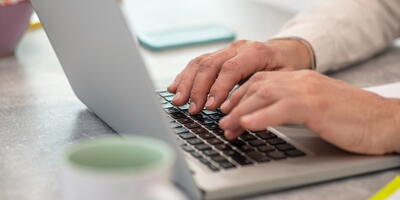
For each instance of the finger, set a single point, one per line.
(185, 81)
(174, 85)
(205, 77)
(232, 71)
(237, 96)
(253, 103)
(233, 134)
(276, 114)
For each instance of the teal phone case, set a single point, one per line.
(185, 36)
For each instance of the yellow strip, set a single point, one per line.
(34, 26)
(388, 190)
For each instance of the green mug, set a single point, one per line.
(117, 168)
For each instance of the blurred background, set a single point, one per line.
(238, 15)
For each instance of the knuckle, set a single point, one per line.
(254, 87)
(195, 61)
(307, 75)
(206, 64)
(238, 43)
(265, 92)
(259, 46)
(198, 60)
(219, 88)
(258, 76)
(230, 65)
(195, 92)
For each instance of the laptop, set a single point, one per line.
(102, 62)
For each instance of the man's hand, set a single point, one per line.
(208, 79)
(348, 117)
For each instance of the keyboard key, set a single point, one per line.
(206, 135)
(212, 126)
(240, 159)
(212, 167)
(276, 155)
(266, 148)
(196, 154)
(226, 165)
(256, 143)
(167, 105)
(265, 135)
(206, 121)
(165, 94)
(202, 147)
(295, 153)
(276, 141)
(285, 147)
(186, 136)
(229, 152)
(222, 146)
(210, 153)
(174, 125)
(180, 130)
(246, 148)
(195, 141)
(219, 159)
(247, 136)
(181, 142)
(237, 143)
(218, 131)
(257, 156)
(214, 141)
(177, 115)
(163, 101)
(192, 125)
(204, 161)
(185, 120)
(209, 112)
(199, 130)
(215, 116)
(184, 107)
(198, 117)
(187, 148)
(169, 98)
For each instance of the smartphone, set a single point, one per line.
(185, 36)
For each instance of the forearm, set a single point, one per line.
(392, 138)
(342, 32)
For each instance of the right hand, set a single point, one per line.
(208, 79)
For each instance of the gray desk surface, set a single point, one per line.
(40, 116)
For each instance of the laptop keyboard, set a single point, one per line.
(200, 136)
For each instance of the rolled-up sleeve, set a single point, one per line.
(342, 32)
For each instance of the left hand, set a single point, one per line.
(350, 118)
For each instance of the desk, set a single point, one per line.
(40, 116)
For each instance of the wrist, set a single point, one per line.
(294, 52)
(393, 136)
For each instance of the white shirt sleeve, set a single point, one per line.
(342, 32)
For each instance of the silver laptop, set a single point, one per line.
(104, 67)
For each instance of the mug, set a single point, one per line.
(112, 168)
(14, 20)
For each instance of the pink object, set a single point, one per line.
(14, 20)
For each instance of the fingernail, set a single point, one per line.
(228, 134)
(177, 96)
(224, 106)
(223, 121)
(173, 83)
(210, 101)
(192, 107)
